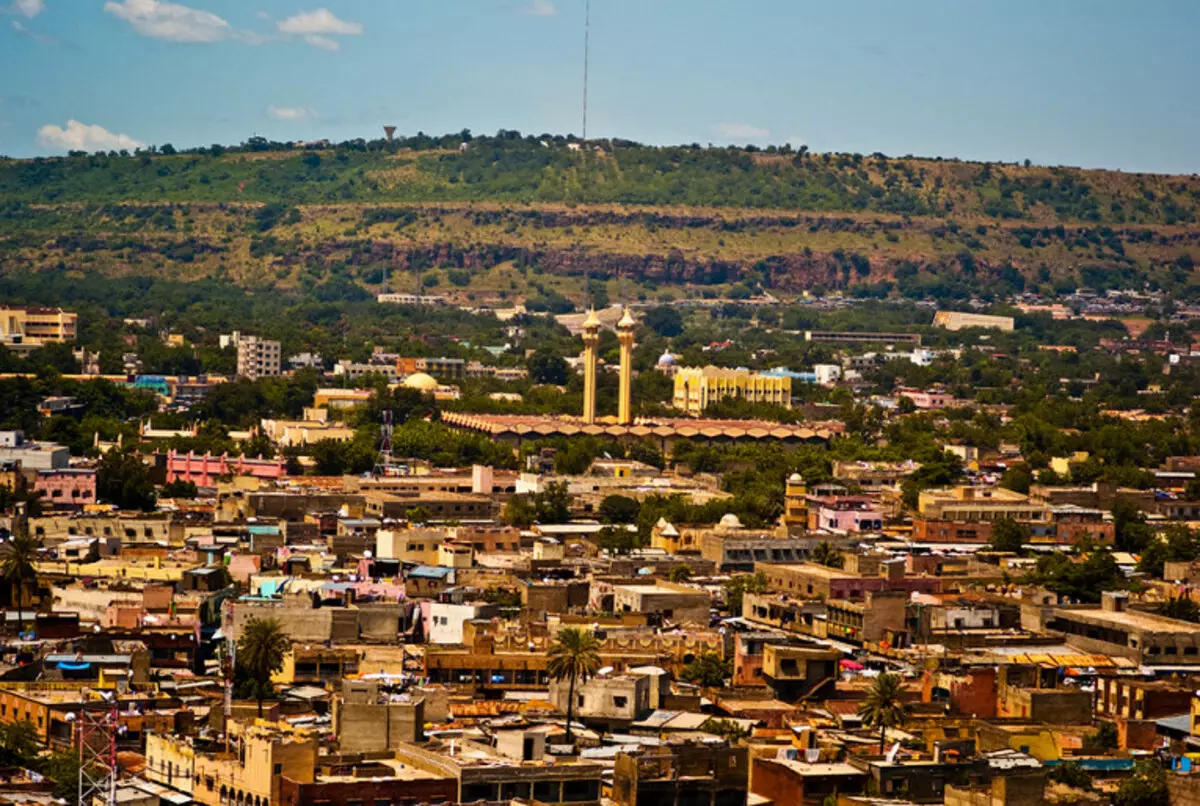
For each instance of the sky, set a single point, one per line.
(1094, 83)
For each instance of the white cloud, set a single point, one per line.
(741, 131)
(540, 8)
(82, 137)
(23, 30)
(291, 112)
(171, 21)
(322, 21)
(29, 8)
(323, 42)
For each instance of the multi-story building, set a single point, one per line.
(1114, 629)
(958, 320)
(35, 326)
(257, 357)
(696, 388)
(39, 456)
(971, 504)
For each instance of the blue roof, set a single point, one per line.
(263, 530)
(430, 571)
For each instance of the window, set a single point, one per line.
(620, 702)
(277, 769)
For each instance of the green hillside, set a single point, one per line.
(269, 214)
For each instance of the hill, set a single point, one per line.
(481, 219)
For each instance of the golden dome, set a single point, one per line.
(421, 381)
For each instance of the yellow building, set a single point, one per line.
(973, 504)
(251, 773)
(37, 325)
(696, 388)
(795, 503)
(958, 320)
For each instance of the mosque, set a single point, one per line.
(663, 431)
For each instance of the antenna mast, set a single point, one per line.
(383, 463)
(587, 27)
(99, 723)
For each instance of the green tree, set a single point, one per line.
(260, 653)
(1181, 608)
(1009, 536)
(1129, 524)
(1017, 478)
(727, 729)
(179, 489)
(680, 573)
(617, 539)
(547, 367)
(417, 515)
(63, 769)
(123, 479)
(1146, 787)
(826, 555)
(519, 511)
(708, 670)
(664, 320)
(1072, 775)
(883, 707)
(1102, 740)
(619, 509)
(739, 585)
(574, 656)
(19, 744)
(17, 557)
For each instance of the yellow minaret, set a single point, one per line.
(625, 330)
(591, 340)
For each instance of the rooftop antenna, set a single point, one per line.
(587, 27)
(383, 464)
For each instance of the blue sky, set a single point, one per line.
(1098, 83)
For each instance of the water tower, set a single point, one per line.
(389, 132)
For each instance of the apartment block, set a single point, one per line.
(257, 357)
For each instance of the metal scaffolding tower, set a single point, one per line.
(99, 725)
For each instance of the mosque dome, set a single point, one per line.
(421, 381)
(730, 521)
(666, 359)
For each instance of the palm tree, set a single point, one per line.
(824, 554)
(17, 556)
(883, 707)
(574, 655)
(260, 653)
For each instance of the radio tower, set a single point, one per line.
(587, 30)
(383, 463)
(98, 727)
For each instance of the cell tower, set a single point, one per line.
(99, 724)
(383, 463)
(389, 132)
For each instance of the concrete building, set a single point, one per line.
(614, 701)
(1114, 629)
(844, 514)
(784, 780)
(369, 719)
(679, 604)
(40, 456)
(695, 773)
(37, 326)
(696, 388)
(257, 357)
(958, 320)
(794, 671)
(483, 774)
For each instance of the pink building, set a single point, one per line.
(205, 470)
(930, 399)
(845, 514)
(66, 489)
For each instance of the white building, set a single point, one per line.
(257, 358)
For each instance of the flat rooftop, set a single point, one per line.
(1130, 619)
